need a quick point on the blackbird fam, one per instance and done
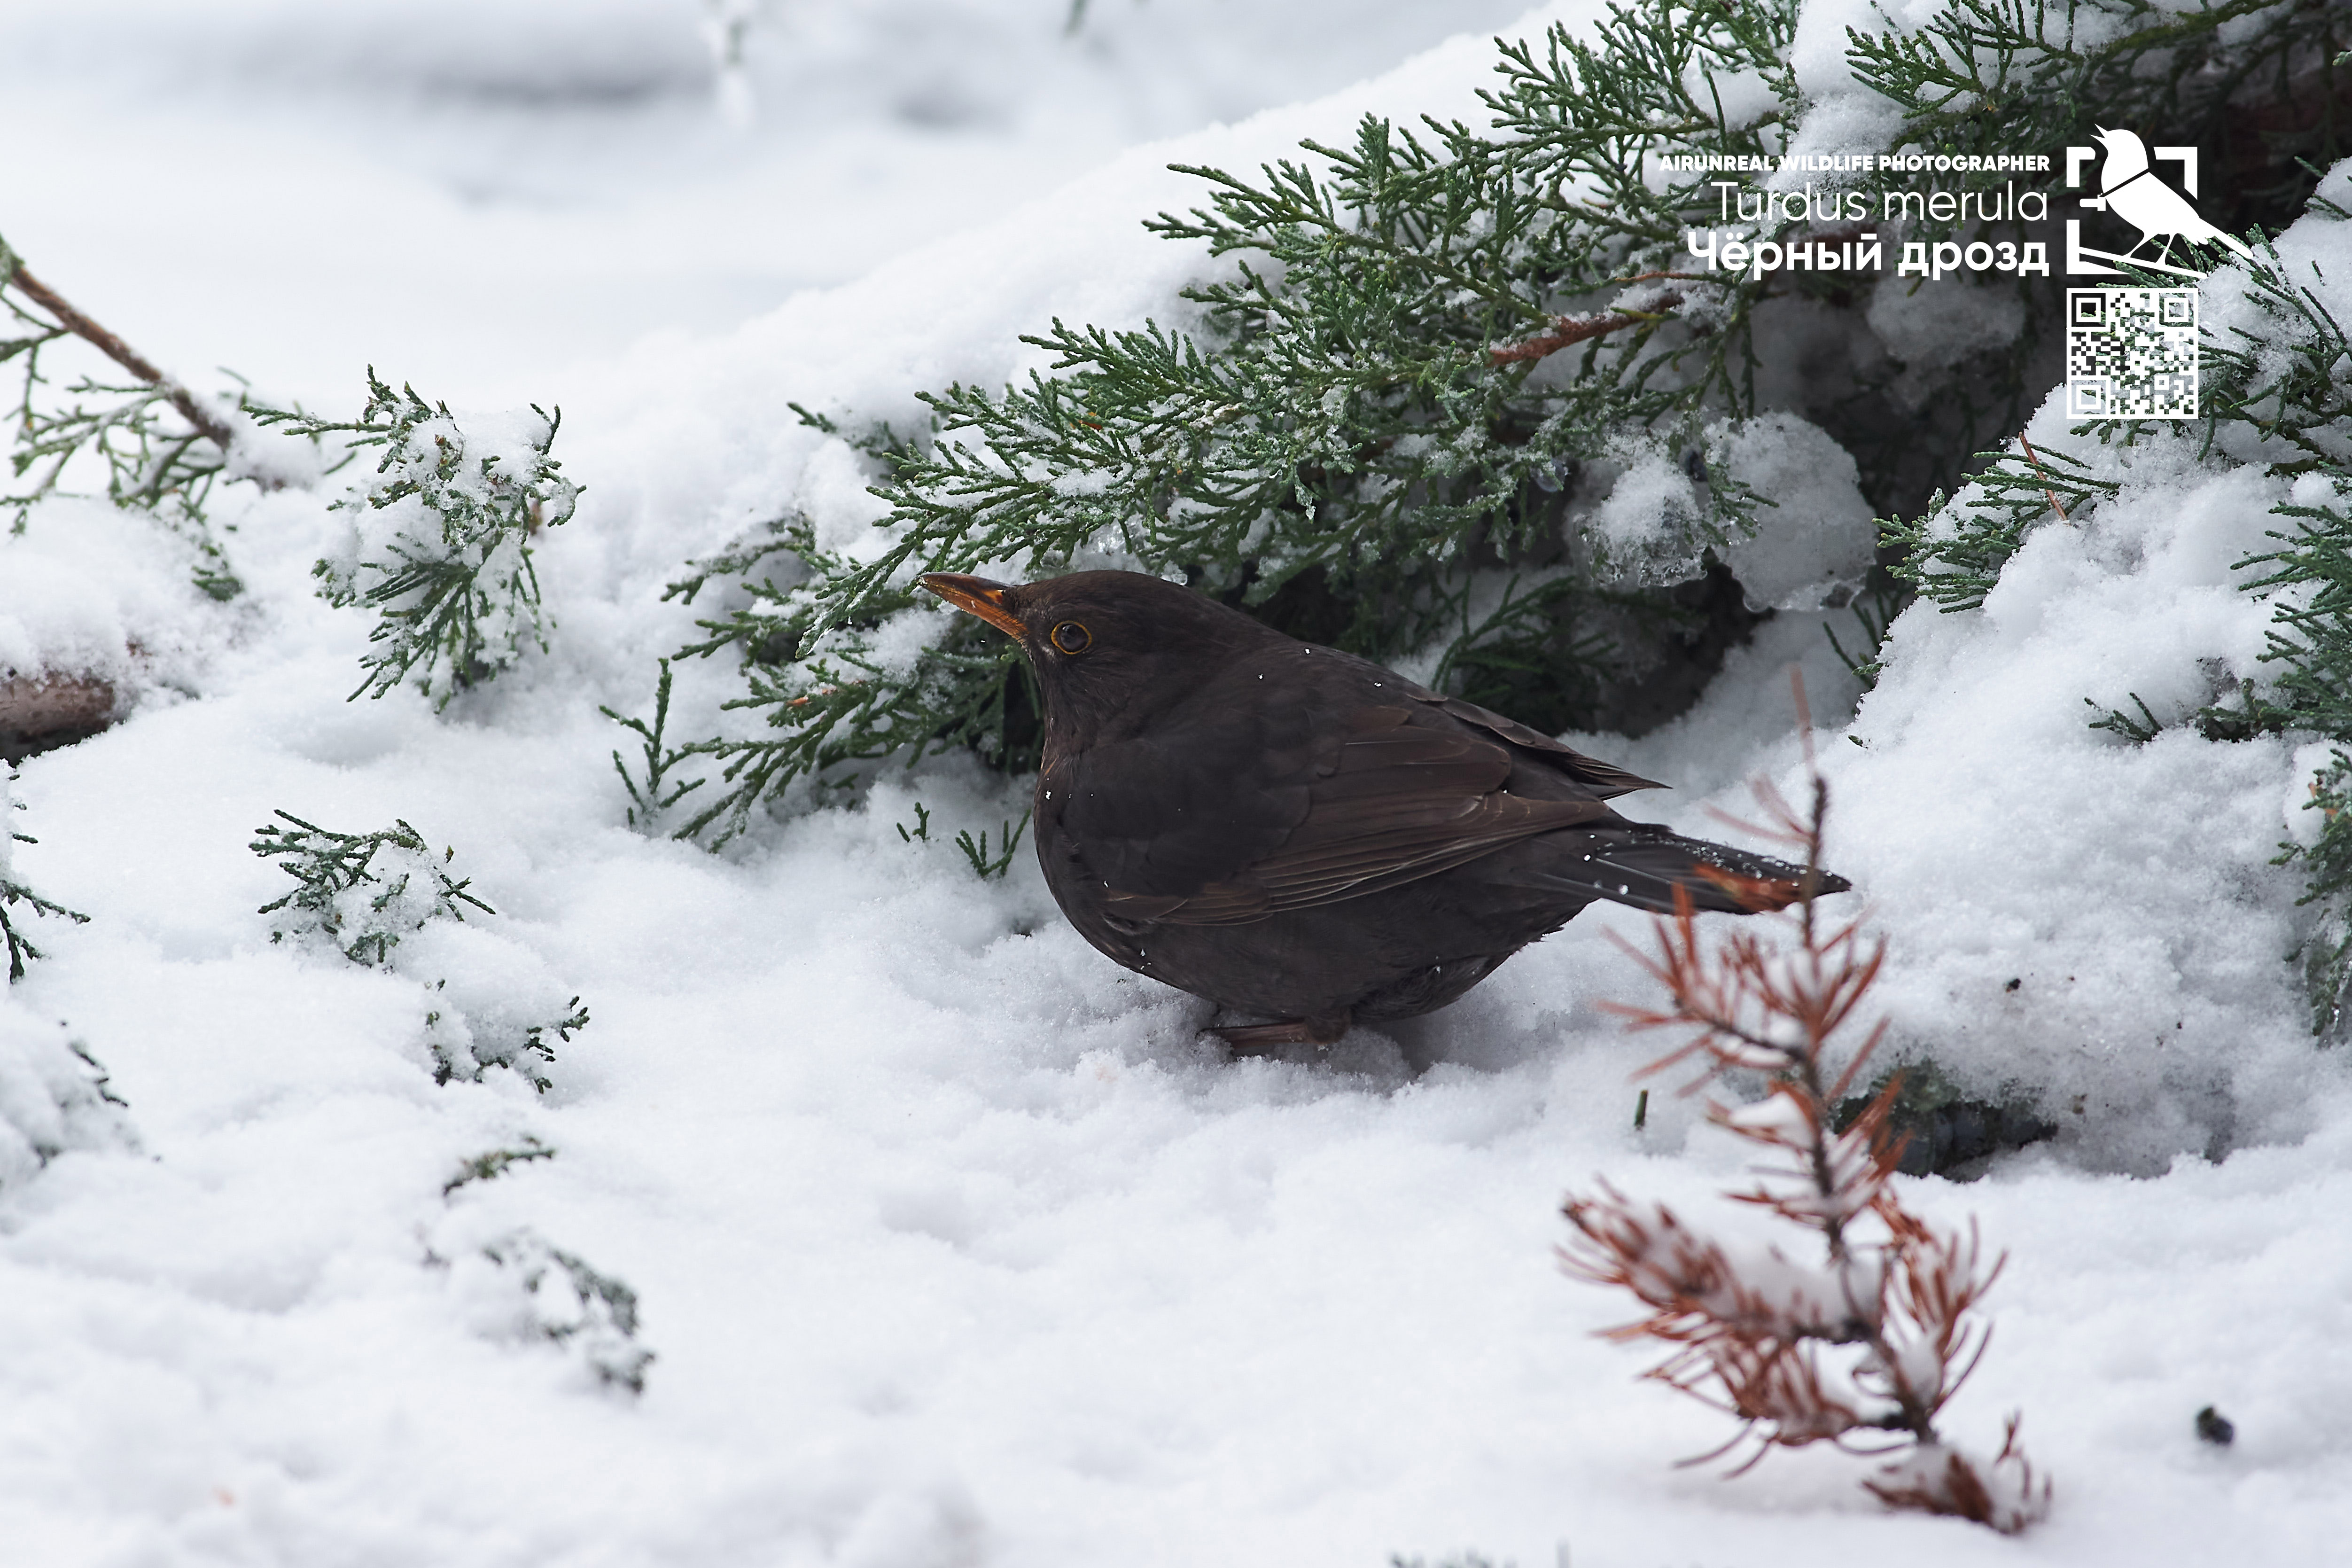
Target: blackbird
(1300, 834)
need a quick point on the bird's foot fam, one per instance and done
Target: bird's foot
(1250, 1039)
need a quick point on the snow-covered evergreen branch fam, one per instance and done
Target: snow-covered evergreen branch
(1377, 417)
(160, 446)
(15, 894)
(441, 535)
(365, 894)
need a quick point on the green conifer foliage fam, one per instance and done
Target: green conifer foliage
(1434, 349)
(1993, 75)
(159, 448)
(366, 892)
(441, 537)
(15, 894)
(1390, 416)
(830, 697)
(466, 1045)
(362, 891)
(2007, 75)
(492, 1163)
(566, 1303)
(2292, 388)
(1952, 554)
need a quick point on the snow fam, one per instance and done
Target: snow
(1929, 327)
(953, 1243)
(97, 592)
(1813, 534)
(1644, 527)
(529, 187)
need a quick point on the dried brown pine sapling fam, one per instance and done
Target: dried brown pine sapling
(1863, 1347)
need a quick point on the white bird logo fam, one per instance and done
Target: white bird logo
(2128, 189)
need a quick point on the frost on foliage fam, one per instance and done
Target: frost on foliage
(905, 677)
(520, 1287)
(361, 892)
(492, 1163)
(493, 1033)
(366, 894)
(16, 900)
(1440, 347)
(53, 1097)
(440, 537)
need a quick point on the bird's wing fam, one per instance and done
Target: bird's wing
(1603, 779)
(1192, 799)
(1389, 802)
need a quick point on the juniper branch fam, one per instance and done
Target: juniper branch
(13, 274)
(441, 539)
(1373, 404)
(20, 947)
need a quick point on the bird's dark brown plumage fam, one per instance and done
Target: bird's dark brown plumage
(1301, 835)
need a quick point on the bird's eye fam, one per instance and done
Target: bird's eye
(1072, 637)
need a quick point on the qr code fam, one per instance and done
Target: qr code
(2131, 353)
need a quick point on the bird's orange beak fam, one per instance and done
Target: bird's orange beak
(979, 597)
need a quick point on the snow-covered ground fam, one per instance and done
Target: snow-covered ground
(957, 1245)
(499, 195)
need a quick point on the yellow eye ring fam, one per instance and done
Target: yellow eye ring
(1071, 637)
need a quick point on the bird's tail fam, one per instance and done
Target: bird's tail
(1644, 866)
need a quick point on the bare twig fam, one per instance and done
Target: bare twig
(1568, 330)
(208, 423)
(2033, 457)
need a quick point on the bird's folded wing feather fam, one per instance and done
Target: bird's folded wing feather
(1604, 779)
(1390, 803)
(1186, 803)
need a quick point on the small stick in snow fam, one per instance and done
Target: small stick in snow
(2031, 457)
(208, 423)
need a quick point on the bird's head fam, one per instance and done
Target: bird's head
(1109, 648)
